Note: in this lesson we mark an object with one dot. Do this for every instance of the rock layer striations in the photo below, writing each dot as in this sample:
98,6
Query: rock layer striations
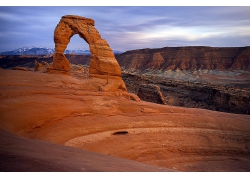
102,61
189,58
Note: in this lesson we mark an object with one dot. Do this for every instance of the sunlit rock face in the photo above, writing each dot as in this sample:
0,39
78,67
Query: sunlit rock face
189,58
103,61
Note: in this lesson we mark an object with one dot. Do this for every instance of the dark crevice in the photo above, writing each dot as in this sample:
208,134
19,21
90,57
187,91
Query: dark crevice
120,133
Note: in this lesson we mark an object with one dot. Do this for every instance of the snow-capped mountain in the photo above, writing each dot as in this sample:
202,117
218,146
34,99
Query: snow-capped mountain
76,51
46,51
117,52
30,51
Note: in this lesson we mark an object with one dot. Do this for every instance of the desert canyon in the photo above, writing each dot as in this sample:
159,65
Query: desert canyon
114,115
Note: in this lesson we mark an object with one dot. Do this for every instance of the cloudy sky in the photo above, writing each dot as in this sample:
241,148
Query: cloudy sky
129,27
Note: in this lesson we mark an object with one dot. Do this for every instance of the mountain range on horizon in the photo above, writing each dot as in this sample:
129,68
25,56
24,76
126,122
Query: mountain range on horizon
47,51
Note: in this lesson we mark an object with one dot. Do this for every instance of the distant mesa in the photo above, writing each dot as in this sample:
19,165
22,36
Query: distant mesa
102,61
189,58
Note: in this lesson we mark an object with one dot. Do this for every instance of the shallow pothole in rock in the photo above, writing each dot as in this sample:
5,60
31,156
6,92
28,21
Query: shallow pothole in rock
120,133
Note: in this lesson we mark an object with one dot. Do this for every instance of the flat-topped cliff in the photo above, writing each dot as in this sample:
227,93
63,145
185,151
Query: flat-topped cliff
187,58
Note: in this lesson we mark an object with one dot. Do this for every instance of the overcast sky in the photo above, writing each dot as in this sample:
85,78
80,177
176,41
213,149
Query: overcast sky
129,27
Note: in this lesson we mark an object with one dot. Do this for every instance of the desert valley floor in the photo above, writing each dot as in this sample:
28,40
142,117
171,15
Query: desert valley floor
58,122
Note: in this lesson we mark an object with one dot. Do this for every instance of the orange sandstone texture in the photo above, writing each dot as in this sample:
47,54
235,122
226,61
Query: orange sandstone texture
103,61
71,111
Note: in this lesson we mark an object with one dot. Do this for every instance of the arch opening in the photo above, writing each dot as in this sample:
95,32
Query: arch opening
77,45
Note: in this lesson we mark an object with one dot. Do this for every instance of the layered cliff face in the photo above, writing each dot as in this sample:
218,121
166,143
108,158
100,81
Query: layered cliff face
231,98
187,58
201,77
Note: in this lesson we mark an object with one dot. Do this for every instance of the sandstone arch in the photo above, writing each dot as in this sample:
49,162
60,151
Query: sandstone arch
103,61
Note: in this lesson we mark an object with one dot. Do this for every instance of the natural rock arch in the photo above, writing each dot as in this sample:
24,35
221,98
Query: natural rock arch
102,62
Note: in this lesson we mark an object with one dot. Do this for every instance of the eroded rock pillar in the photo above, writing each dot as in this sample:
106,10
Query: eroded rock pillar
62,36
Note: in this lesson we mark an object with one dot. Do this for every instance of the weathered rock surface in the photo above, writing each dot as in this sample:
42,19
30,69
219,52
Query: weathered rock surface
21,68
232,98
38,66
29,155
195,76
151,93
103,61
186,58
73,112
229,94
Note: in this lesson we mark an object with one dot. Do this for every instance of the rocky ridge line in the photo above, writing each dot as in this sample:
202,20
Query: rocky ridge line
190,58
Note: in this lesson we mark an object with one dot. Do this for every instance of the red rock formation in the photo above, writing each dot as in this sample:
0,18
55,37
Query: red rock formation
151,93
224,96
103,61
156,62
38,66
187,58
68,111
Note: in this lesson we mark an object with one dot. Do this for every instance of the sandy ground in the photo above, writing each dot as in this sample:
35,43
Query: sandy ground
72,112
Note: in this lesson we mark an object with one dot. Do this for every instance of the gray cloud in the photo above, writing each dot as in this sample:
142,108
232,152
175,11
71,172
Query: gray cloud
130,27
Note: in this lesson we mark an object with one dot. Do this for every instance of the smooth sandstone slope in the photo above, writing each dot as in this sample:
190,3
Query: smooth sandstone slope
66,110
19,154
